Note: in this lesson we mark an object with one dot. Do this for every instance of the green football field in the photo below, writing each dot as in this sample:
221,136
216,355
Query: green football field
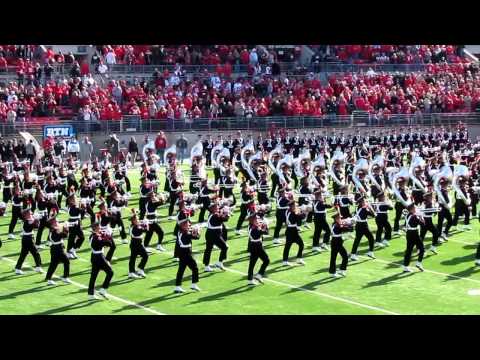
371,286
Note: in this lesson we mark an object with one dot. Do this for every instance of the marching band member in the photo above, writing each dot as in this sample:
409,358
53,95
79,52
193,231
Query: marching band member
400,204
153,227
413,220
184,240
227,184
256,230
343,202
28,189
462,203
28,246
87,198
75,232
381,219
444,213
57,251
41,215
282,207
427,213
51,193
97,242
361,229
115,209
8,184
61,185
247,199
176,187
262,189
137,249
305,198
145,190
215,236
338,228
320,221
17,204
293,219
204,199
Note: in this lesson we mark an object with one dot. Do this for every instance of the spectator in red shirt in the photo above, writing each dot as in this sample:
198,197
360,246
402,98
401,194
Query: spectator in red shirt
161,145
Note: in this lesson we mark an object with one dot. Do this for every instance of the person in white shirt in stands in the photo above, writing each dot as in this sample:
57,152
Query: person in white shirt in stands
237,87
111,58
102,68
216,82
12,98
253,57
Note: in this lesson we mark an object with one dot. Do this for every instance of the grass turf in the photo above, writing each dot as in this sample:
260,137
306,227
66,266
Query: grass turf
371,286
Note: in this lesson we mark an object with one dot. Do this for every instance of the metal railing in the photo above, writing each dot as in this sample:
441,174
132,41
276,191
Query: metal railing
134,124
289,68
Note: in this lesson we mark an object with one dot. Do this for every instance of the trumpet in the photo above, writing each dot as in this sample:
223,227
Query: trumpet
145,222
386,203
429,210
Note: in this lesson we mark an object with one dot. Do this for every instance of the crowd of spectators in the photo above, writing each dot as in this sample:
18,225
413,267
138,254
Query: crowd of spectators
388,54
195,54
442,87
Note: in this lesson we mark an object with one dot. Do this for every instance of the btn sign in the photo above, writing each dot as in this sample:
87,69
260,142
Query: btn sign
64,131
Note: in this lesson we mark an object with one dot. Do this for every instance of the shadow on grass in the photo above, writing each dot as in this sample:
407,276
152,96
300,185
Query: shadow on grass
25,292
388,279
223,295
311,285
463,274
78,305
165,297
459,260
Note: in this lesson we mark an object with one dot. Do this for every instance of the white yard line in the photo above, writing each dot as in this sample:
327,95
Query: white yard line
110,296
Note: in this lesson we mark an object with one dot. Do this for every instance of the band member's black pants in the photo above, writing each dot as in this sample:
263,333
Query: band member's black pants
292,237
444,214
214,238
153,228
205,201
429,227
186,260
28,247
57,256
141,205
321,224
257,252
461,209
274,178
16,215
280,217
228,193
117,220
173,201
398,215
137,250
99,262
75,238
383,224
337,248
243,215
263,198
361,229
41,227
413,240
